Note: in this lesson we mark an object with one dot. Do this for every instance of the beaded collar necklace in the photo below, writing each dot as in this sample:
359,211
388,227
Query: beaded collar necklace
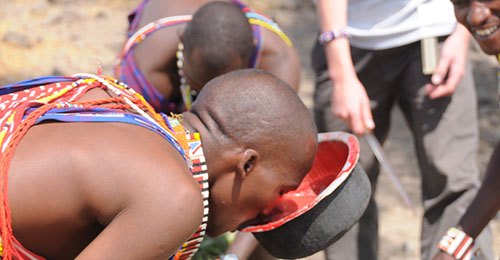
186,91
198,167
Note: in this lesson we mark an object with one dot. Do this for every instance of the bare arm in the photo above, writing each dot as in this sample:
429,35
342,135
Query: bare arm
155,57
149,205
149,228
349,99
487,201
485,205
142,233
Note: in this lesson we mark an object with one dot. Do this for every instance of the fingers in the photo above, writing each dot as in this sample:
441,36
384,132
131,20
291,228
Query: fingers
364,120
441,87
441,70
368,117
439,91
359,118
454,77
350,103
357,125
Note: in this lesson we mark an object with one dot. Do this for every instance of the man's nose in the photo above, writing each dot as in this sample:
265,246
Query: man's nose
478,13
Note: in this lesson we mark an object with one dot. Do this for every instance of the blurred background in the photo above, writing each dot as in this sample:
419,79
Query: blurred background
64,37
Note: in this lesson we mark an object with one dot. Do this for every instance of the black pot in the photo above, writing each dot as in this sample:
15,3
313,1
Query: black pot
334,214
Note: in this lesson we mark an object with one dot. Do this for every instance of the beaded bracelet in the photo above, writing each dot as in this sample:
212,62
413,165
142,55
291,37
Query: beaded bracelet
457,244
328,36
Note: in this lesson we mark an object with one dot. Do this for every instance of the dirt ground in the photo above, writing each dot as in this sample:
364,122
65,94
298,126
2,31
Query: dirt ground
45,37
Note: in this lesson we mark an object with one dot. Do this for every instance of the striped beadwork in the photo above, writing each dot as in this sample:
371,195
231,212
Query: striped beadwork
199,170
457,244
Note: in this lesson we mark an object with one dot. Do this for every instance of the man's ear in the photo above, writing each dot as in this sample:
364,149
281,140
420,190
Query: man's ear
247,162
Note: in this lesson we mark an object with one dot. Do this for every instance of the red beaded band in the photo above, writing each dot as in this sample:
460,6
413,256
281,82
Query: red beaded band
457,244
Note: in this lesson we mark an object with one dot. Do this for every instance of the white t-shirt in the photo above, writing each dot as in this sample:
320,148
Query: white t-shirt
383,24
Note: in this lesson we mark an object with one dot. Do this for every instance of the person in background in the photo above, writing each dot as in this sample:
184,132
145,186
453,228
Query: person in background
373,55
174,47
482,19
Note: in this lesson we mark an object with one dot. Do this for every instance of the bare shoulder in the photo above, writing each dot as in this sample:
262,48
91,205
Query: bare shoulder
160,203
143,167
273,42
280,58
275,50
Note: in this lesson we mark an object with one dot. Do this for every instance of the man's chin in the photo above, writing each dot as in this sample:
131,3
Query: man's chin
490,45
211,232
490,49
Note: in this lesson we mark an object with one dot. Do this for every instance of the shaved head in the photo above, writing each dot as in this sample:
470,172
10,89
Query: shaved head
260,142
254,108
222,38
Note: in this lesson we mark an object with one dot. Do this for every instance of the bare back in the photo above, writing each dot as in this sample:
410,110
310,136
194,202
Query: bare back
155,56
104,188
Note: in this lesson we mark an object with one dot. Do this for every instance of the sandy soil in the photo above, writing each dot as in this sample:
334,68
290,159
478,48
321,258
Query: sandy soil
44,37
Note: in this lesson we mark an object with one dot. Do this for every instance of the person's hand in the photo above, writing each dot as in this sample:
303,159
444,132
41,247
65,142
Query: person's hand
451,64
351,104
443,256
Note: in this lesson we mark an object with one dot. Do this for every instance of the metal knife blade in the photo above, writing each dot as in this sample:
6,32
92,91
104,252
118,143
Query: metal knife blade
389,170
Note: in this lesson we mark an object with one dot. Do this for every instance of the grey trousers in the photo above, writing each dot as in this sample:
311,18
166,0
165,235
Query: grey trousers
445,133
